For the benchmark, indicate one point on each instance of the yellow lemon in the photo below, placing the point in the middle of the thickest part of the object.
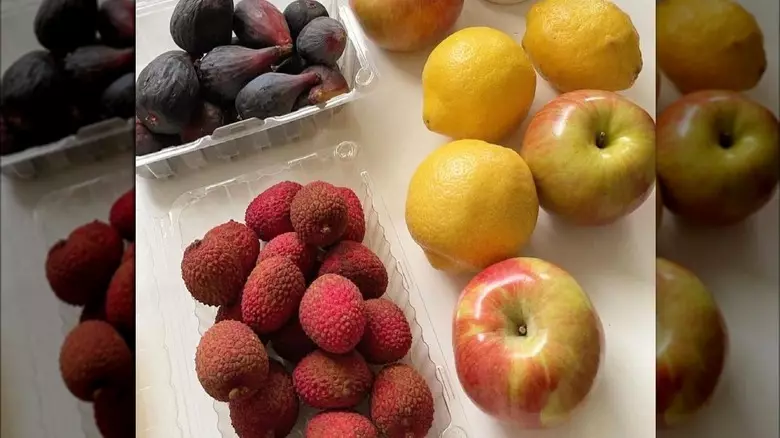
(471, 204)
(583, 44)
(709, 44)
(478, 83)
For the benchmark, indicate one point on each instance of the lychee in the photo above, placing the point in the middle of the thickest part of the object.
(229, 312)
(212, 272)
(269, 213)
(129, 253)
(340, 425)
(401, 403)
(274, 408)
(332, 381)
(332, 314)
(356, 218)
(355, 262)
(120, 298)
(387, 337)
(80, 268)
(241, 239)
(231, 361)
(290, 342)
(289, 245)
(319, 214)
(122, 215)
(272, 294)
(93, 356)
(114, 411)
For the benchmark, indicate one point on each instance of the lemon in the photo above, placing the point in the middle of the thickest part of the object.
(709, 44)
(583, 44)
(471, 204)
(478, 83)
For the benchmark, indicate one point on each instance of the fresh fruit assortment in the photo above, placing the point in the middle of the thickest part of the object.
(82, 75)
(277, 63)
(93, 268)
(302, 318)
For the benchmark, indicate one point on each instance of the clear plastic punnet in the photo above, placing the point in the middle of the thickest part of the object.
(248, 136)
(185, 320)
(56, 215)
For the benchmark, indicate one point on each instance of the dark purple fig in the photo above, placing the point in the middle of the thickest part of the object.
(292, 66)
(63, 25)
(116, 23)
(272, 94)
(300, 12)
(198, 26)
(258, 24)
(322, 41)
(118, 100)
(225, 70)
(332, 84)
(206, 118)
(95, 67)
(35, 95)
(166, 93)
(147, 142)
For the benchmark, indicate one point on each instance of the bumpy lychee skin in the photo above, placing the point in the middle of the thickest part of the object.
(387, 337)
(93, 356)
(356, 218)
(79, 269)
(231, 361)
(289, 245)
(122, 215)
(230, 312)
(129, 253)
(274, 408)
(120, 298)
(114, 411)
(332, 381)
(332, 314)
(319, 214)
(291, 343)
(401, 403)
(212, 272)
(340, 425)
(242, 240)
(272, 294)
(355, 262)
(269, 213)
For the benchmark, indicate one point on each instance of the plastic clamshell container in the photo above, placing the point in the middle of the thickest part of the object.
(195, 212)
(90, 143)
(247, 136)
(56, 215)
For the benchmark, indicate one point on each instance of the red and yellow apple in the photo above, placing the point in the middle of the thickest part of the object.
(592, 154)
(528, 342)
(691, 344)
(406, 25)
(718, 158)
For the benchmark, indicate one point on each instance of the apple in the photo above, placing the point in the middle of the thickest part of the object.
(592, 155)
(527, 342)
(406, 25)
(691, 344)
(718, 158)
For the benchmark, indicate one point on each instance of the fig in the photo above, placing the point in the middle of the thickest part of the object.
(225, 70)
(95, 67)
(292, 66)
(272, 94)
(205, 119)
(198, 26)
(118, 100)
(258, 24)
(147, 142)
(332, 84)
(63, 25)
(300, 12)
(116, 23)
(322, 41)
(166, 91)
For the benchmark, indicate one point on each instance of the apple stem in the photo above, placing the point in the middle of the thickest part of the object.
(601, 140)
(522, 330)
(725, 140)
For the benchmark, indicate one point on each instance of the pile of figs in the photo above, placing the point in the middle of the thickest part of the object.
(277, 63)
(82, 75)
